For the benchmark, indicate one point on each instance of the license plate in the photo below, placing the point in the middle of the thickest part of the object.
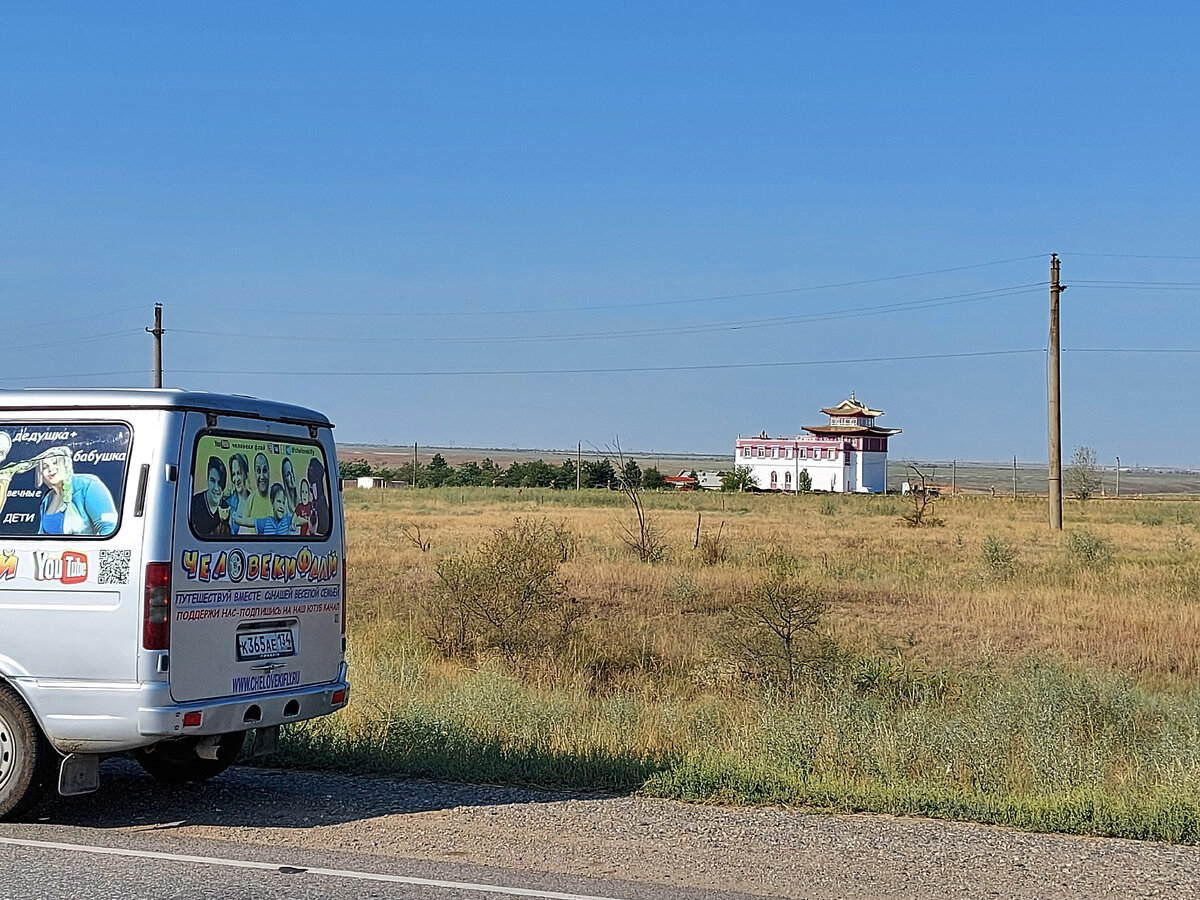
(265, 644)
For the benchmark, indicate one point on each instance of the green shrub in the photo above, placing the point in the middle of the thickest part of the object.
(777, 623)
(682, 590)
(1089, 550)
(504, 596)
(999, 558)
(1152, 517)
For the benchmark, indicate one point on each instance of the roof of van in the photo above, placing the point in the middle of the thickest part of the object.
(157, 398)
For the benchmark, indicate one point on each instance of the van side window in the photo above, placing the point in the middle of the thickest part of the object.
(62, 478)
(253, 486)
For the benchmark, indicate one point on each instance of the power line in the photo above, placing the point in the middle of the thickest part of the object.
(107, 314)
(1137, 286)
(63, 342)
(615, 370)
(700, 328)
(1131, 350)
(626, 369)
(643, 304)
(1125, 255)
(24, 377)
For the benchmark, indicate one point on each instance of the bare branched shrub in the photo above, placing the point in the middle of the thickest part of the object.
(777, 623)
(642, 534)
(504, 596)
(923, 496)
(413, 533)
(711, 546)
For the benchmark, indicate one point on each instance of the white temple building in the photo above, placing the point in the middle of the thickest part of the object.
(847, 455)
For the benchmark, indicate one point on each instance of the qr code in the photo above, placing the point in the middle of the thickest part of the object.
(114, 566)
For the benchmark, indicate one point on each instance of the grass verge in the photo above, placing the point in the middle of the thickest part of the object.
(1039, 748)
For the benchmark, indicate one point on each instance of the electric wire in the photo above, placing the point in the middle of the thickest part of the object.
(647, 303)
(693, 367)
(457, 373)
(1138, 285)
(65, 342)
(107, 314)
(24, 377)
(1125, 255)
(699, 328)
(1131, 350)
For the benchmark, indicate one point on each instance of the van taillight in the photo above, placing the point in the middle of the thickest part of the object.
(156, 629)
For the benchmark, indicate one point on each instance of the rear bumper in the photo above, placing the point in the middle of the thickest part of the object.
(245, 711)
(110, 718)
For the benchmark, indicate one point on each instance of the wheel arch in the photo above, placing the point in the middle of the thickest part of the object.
(17, 686)
(27, 766)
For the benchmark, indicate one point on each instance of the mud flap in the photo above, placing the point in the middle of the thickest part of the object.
(266, 741)
(78, 774)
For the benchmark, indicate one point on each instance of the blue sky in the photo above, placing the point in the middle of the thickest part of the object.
(532, 224)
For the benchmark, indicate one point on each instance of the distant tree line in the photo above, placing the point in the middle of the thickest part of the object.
(599, 473)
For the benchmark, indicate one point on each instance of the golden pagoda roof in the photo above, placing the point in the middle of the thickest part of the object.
(852, 407)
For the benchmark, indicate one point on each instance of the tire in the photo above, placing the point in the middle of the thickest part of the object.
(26, 760)
(176, 762)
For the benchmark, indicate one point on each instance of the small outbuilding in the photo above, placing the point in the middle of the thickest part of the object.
(703, 481)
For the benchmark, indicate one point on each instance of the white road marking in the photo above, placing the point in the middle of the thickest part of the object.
(284, 868)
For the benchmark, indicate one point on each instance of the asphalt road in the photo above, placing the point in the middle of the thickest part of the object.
(259, 833)
(137, 839)
(92, 864)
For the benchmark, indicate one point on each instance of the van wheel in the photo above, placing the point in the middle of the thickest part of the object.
(26, 760)
(176, 762)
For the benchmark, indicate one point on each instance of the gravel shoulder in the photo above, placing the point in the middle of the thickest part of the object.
(771, 852)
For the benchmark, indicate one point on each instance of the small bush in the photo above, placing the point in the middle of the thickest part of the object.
(682, 590)
(900, 683)
(1151, 517)
(505, 596)
(1089, 550)
(999, 558)
(922, 499)
(712, 548)
(827, 507)
(777, 623)
(881, 506)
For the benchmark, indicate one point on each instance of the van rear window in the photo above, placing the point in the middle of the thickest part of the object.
(256, 487)
(62, 478)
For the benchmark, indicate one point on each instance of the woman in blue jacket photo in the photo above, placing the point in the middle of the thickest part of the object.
(74, 504)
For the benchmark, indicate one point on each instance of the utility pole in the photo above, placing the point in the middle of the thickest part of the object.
(1014, 477)
(578, 464)
(1055, 484)
(953, 477)
(1118, 478)
(157, 331)
(414, 484)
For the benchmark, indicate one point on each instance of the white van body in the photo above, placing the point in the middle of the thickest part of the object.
(132, 616)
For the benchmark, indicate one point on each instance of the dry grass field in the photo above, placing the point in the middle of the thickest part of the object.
(928, 595)
(987, 669)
